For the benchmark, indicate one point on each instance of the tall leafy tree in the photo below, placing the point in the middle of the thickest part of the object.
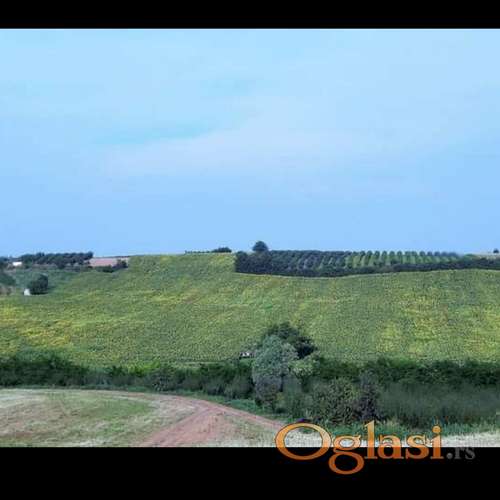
(271, 365)
(260, 246)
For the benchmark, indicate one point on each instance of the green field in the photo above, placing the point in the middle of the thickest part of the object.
(196, 308)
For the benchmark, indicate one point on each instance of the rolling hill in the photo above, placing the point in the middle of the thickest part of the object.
(196, 308)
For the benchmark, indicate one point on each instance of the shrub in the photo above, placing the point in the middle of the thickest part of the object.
(165, 379)
(215, 386)
(294, 398)
(239, 388)
(334, 403)
(40, 368)
(367, 408)
(39, 285)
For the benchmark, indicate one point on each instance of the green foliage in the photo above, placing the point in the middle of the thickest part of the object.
(295, 399)
(421, 406)
(425, 372)
(260, 247)
(222, 250)
(6, 280)
(40, 285)
(33, 368)
(313, 263)
(367, 405)
(334, 403)
(240, 387)
(293, 336)
(271, 365)
(59, 260)
(121, 264)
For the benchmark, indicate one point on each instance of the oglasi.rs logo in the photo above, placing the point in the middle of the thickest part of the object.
(388, 447)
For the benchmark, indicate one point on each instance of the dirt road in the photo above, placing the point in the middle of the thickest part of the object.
(211, 424)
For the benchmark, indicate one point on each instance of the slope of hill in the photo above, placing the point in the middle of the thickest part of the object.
(196, 308)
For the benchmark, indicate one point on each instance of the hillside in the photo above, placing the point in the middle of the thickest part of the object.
(196, 308)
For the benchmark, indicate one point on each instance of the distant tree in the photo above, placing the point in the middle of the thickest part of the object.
(4, 261)
(222, 250)
(39, 286)
(260, 246)
(496, 250)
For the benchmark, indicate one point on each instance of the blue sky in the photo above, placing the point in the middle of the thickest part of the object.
(130, 141)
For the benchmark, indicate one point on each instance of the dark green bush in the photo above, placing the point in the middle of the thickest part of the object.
(294, 398)
(423, 406)
(239, 388)
(292, 335)
(388, 371)
(39, 285)
(334, 403)
(367, 405)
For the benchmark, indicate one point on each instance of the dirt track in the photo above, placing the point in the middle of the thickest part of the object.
(209, 424)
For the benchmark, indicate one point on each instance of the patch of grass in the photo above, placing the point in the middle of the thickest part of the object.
(81, 418)
(195, 308)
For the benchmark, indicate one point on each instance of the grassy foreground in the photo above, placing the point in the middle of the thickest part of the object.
(56, 417)
(195, 308)
(79, 418)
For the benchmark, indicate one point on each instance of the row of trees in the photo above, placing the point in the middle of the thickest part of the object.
(343, 263)
(60, 260)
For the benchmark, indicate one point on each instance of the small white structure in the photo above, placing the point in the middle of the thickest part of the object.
(27, 292)
(17, 263)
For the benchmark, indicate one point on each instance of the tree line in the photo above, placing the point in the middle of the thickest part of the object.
(314, 263)
(60, 260)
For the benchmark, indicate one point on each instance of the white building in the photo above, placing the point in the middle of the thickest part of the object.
(27, 292)
(17, 263)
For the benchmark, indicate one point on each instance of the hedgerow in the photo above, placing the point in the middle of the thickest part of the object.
(312, 263)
